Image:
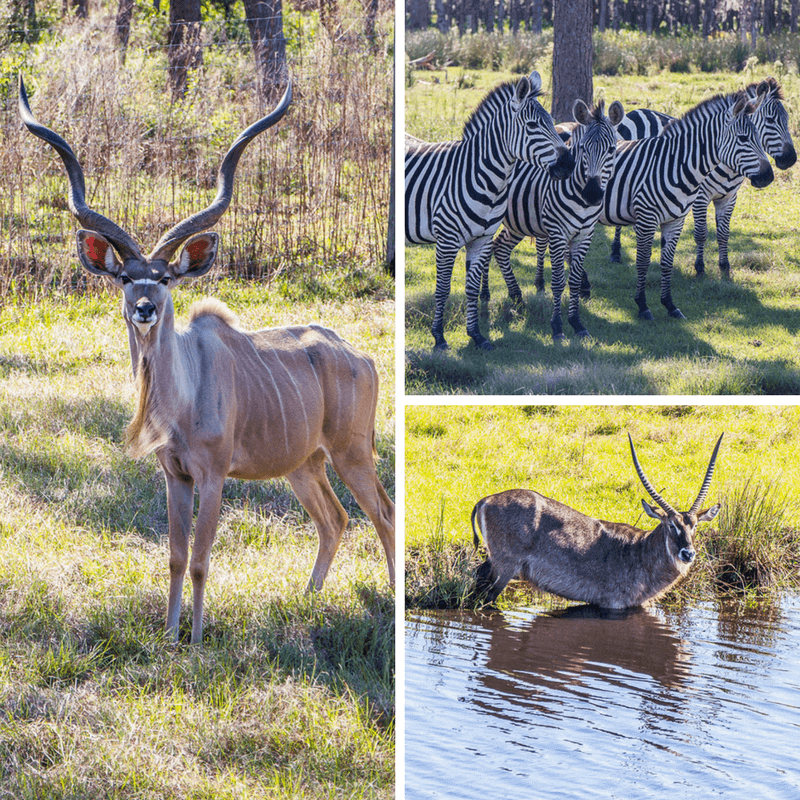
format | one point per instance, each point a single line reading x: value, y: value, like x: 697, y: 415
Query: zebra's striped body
x: 722, y: 184
x: 561, y: 213
x: 655, y: 180
x: 455, y: 192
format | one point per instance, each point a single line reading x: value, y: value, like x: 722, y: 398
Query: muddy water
x: 704, y: 703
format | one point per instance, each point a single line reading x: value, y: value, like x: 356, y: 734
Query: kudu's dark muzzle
x: 563, y: 166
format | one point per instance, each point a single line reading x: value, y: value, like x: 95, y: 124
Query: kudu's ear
x: 197, y: 256
x: 97, y: 255
x: 709, y: 513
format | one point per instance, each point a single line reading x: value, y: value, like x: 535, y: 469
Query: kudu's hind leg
x: 310, y: 483
x: 357, y: 469
x: 180, y: 502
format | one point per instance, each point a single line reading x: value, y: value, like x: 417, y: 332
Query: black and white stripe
x: 455, y: 192
x: 655, y: 180
x: 722, y: 185
x: 562, y: 214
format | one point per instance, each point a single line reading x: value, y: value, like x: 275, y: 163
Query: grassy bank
x: 740, y: 336
x: 291, y: 695
x: 580, y: 456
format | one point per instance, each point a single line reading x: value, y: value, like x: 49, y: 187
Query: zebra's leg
x: 479, y: 251
x: 484, y: 268
x: 577, y: 277
x: 670, y: 233
x: 723, y: 210
x: 503, y: 244
x: 645, y: 229
x: 541, y: 252
x: 558, y: 252
x: 616, y: 246
x: 700, y: 214
x: 445, y: 259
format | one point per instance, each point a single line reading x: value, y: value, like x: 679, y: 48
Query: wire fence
x: 311, y: 195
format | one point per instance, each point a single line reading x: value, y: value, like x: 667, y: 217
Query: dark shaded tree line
x: 705, y: 17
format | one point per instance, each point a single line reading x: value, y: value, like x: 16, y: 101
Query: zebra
x: 722, y: 185
x: 455, y: 192
x: 561, y: 213
x: 655, y: 180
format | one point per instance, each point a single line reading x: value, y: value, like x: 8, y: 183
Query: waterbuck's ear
x: 197, y: 256
x: 652, y: 511
x: 709, y: 513
x: 97, y: 255
x: 616, y: 113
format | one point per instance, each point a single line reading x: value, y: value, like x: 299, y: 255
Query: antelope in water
x: 215, y: 401
x: 564, y: 552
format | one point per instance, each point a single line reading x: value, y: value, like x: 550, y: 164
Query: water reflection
x: 631, y: 704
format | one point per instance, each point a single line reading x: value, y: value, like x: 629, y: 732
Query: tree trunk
x: 183, y: 44
x: 602, y: 19
x: 572, y: 56
x: 418, y: 15
x: 536, y: 17
x: 794, y: 15
x: 265, y: 22
x: 329, y: 17
x: 124, y: 15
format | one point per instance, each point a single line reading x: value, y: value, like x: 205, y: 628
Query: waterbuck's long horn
x: 202, y: 220
x: 707, y: 480
x: 646, y: 483
x: 123, y: 242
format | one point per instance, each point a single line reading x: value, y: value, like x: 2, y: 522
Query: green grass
x: 740, y: 336
x: 291, y: 695
x: 580, y: 456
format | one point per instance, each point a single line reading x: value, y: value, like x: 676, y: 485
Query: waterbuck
x: 560, y: 550
x: 215, y: 401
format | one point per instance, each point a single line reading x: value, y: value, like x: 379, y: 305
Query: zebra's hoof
x: 676, y: 314
x: 559, y: 337
x: 615, y: 258
x: 582, y: 334
x: 646, y: 314
x: 440, y: 346
x: 484, y: 345
x: 516, y: 300
x: 699, y: 266
x: 485, y: 297
x: 586, y: 294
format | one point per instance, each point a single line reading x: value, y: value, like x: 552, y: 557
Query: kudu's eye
x: 165, y: 280
x: 125, y: 280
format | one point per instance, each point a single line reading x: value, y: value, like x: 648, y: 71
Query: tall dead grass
x: 311, y: 194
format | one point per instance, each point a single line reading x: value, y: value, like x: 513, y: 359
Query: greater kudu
x: 215, y: 401
x: 564, y: 552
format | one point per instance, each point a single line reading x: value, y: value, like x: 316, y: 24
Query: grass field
x: 740, y: 335
x: 580, y: 456
x: 290, y: 695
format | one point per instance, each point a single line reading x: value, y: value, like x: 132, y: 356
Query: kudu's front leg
x: 180, y: 502
x: 205, y: 530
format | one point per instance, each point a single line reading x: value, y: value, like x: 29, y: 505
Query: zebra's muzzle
x: 563, y: 166
x: 764, y: 178
x: 592, y: 192
x: 787, y: 158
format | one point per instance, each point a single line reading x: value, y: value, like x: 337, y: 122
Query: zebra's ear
x: 580, y: 112
x: 739, y: 106
x: 536, y: 82
x: 521, y: 92
x: 616, y: 113
x: 763, y: 88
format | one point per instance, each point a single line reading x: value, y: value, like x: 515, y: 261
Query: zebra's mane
x: 490, y: 103
x: 703, y: 109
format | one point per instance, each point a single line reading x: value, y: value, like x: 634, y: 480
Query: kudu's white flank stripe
x: 213, y: 398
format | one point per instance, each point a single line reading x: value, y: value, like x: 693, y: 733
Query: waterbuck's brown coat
x: 567, y: 553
